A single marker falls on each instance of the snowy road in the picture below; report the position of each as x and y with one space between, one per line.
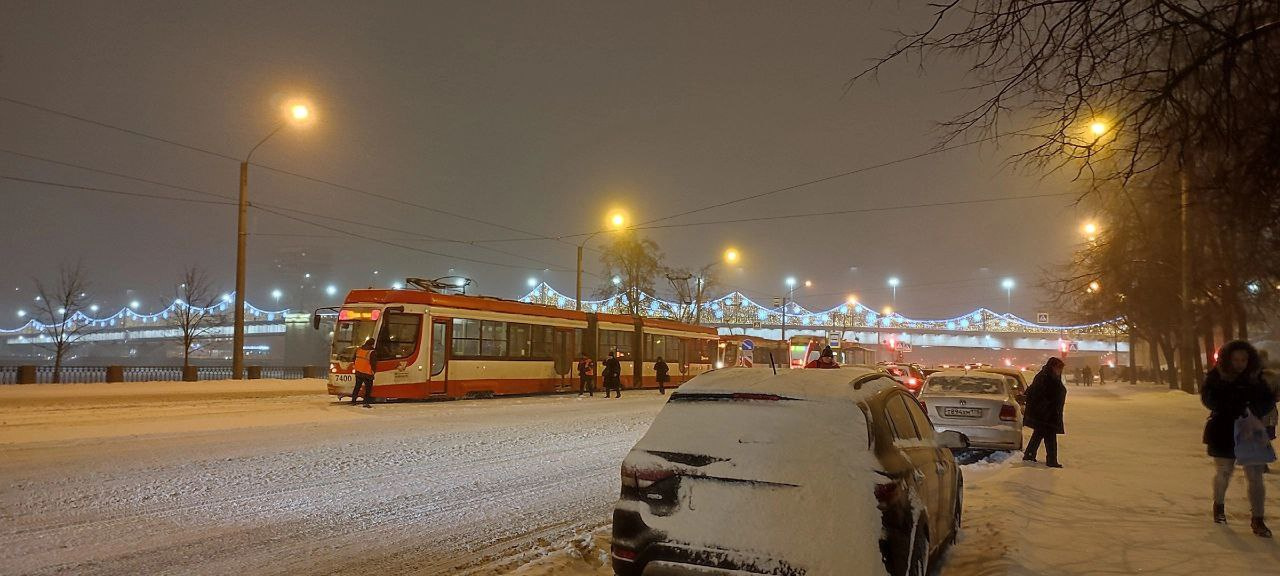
278 480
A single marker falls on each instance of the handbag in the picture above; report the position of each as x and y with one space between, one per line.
1253 447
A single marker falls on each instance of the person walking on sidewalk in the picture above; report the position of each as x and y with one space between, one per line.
612 375
1088 376
1046 397
586 376
664 375
1235 395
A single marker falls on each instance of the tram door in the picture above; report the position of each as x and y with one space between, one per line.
562 355
441 342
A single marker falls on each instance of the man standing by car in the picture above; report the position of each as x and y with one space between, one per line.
612 374
664 375
1046 398
365 362
586 376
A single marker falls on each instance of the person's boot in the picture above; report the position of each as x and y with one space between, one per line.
1029 458
1219 513
1053 465
1260 528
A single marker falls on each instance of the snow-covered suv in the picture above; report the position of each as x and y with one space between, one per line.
809 472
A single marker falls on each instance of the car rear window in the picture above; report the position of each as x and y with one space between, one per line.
757 436
965 385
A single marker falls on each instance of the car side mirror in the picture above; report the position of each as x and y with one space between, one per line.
953 440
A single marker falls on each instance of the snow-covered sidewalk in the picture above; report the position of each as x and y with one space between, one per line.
1134 498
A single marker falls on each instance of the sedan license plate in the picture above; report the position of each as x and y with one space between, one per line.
949 412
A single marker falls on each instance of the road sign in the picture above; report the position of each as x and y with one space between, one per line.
757 325
833 336
904 346
747 344
777 302
1042 318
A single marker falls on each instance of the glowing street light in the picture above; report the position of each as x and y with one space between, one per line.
134 305
296 113
617 221
1094 287
852 300
531 282
396 285
331 290
731 256
888 311
1008 285
808 284
277 294
617 280
893 283
1098 127
22 313
93 307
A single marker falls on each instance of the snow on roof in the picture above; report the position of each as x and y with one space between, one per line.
985 374
807 384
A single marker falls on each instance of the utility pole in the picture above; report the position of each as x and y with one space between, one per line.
1186 339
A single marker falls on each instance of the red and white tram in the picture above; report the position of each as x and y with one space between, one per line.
434 345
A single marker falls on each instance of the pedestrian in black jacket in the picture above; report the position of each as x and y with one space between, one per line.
1231 390
612 375
586 376
664 375
1046 397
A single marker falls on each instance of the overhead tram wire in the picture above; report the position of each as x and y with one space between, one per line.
642 225
270 210
843 212
546 265
48 110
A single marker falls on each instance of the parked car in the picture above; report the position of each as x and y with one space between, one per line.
979 404
1016 379
911 376
801 472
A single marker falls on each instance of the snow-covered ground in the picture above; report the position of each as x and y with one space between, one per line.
272 477
1133 499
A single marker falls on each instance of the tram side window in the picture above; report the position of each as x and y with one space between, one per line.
518 340
466 337
611 340
399 338
543 341
493 339
672 345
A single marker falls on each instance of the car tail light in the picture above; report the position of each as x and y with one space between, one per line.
624 553
922 406
643 478
1008 413
912 382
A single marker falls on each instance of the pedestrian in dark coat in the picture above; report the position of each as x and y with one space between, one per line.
1046 397
1234 389
1088 376
664 375
612 375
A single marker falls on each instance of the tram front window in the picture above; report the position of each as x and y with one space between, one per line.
352 329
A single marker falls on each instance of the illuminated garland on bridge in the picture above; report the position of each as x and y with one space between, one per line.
127 317
737 310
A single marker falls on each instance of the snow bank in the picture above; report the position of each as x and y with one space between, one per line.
68 412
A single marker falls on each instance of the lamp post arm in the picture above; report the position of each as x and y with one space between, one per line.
263 141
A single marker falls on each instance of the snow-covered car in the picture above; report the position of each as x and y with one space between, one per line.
910 376
1016 379
803 472
979 404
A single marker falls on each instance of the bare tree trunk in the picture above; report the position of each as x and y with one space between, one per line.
57 365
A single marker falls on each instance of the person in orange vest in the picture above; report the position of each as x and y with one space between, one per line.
365 363
587 376
826 360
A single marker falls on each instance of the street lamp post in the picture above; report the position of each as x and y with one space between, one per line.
1008 290
617 221
893 283
791 295
298 113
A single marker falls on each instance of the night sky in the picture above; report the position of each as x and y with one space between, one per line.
537 116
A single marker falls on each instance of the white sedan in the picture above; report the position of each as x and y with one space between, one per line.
979 405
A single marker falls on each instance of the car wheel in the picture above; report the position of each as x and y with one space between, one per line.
918 562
